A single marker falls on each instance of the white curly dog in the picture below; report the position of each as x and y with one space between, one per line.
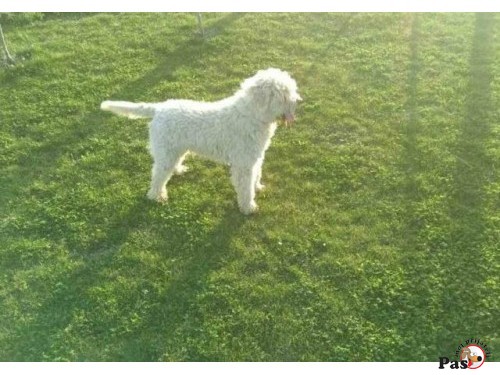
235 131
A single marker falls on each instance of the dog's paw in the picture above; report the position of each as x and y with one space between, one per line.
250 209
181 170
162 197
259 187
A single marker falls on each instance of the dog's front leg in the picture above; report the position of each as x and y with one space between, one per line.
258 175
243 179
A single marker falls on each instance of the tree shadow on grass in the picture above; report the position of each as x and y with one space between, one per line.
464 293
191 54
67 16
444 268
462 262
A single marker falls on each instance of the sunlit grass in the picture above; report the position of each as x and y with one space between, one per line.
377 236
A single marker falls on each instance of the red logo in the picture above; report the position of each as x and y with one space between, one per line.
474 355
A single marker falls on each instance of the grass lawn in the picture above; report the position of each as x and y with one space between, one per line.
378 234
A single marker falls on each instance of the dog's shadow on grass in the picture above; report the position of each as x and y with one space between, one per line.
174 308
170 295
178 313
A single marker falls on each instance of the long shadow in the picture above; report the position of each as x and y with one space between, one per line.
411 163
41 338
444 269
177 317
441 301
67 16
35 340
192 54
23 19
472 169
402 313
467 206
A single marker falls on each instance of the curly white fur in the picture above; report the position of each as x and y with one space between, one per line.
236 131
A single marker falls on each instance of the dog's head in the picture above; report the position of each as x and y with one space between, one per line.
275 92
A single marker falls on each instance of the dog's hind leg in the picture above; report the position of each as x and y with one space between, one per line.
243 179
179 167
163 168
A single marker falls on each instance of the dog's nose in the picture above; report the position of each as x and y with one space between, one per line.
479 358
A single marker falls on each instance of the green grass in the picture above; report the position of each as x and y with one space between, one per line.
377 238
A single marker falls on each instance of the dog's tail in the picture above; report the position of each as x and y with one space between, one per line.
130 110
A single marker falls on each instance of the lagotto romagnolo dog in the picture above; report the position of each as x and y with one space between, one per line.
235 131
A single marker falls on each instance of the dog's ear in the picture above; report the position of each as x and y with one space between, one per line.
266 95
